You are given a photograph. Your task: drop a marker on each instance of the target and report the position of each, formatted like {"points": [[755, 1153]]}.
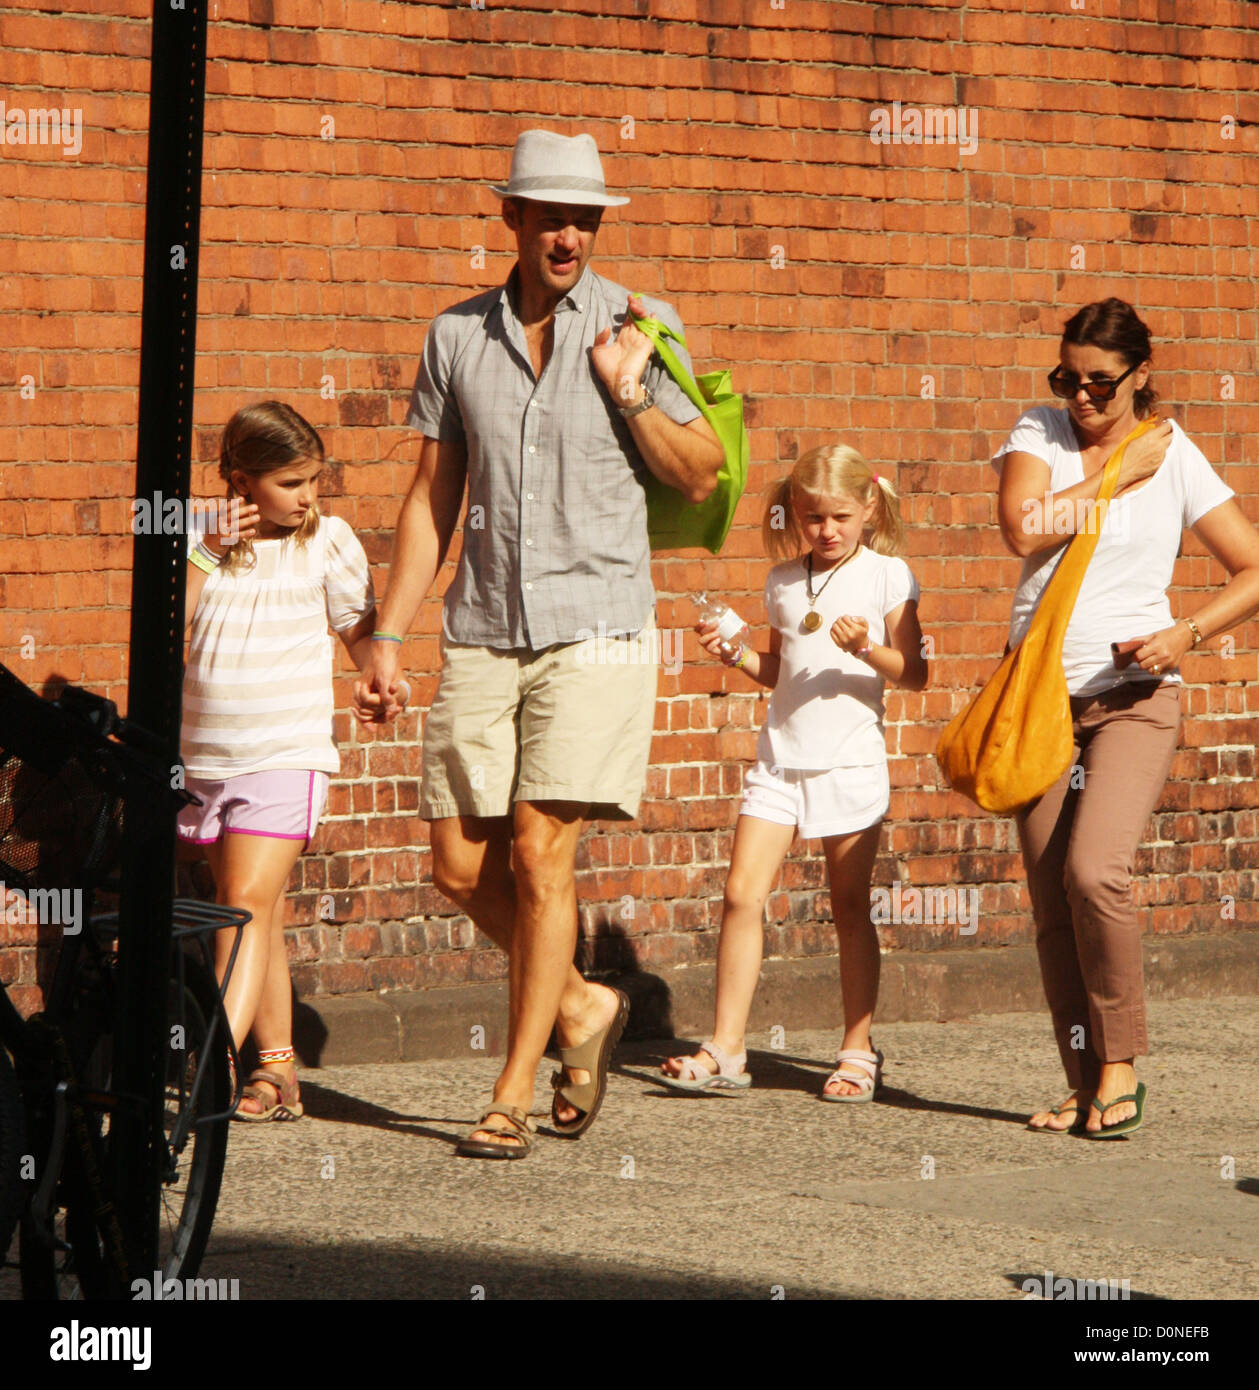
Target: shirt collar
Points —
{"points": [[577, 298]]}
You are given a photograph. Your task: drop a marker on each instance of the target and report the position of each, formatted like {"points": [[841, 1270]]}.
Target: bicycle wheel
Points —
{"points": [[84, 1258], [191, 1194], [77, 1264], [195, 1153], [12, 1147]]}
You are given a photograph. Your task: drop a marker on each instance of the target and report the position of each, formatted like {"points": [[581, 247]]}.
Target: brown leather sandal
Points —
{"points": [[499, 1119], [286, 1105], [591, 1056]]}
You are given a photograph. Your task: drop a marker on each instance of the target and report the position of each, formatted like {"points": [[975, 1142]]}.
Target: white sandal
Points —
{"points": [[869, 1062], [729, 1078]]}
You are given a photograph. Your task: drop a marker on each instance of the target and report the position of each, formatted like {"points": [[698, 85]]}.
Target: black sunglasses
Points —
{"points": [[1067, 384]]}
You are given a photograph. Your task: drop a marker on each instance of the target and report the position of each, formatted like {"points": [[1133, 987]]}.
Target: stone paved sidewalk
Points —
{"points": [[771, 1193]]}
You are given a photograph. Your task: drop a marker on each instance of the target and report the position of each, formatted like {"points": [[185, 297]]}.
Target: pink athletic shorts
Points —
{"points": [[284, 805]]}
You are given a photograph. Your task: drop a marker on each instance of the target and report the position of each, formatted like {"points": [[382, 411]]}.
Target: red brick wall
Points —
{"points": [[1105, 164]]}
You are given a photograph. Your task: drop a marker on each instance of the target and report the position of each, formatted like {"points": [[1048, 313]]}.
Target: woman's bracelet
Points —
{"points": [[385, 637], [863, 652], [1195, 629]]}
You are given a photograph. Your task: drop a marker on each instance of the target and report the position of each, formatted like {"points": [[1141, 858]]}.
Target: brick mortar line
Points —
{"points": [[679, 56]]}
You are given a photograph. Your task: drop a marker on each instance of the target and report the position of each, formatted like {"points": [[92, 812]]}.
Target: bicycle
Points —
{"points": [[69, 772]]}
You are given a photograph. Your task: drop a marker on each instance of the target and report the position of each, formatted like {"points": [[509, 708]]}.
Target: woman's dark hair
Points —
{"points": [[1114, 326]]}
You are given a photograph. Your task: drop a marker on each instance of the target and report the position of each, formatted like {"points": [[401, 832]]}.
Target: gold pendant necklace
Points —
{"points": [[813, 619]]}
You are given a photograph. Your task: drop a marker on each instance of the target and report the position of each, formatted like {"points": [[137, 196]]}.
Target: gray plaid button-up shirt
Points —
{"points": [[555, 540]]}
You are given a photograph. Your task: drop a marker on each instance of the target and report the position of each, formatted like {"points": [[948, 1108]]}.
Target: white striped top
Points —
{"points": [[258, 683]]}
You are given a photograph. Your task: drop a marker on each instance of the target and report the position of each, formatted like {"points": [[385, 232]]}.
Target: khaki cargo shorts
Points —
{"points": [[571, 723]]}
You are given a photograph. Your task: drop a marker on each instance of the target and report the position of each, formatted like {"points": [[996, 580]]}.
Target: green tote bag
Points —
{"points": [[673, 523]]}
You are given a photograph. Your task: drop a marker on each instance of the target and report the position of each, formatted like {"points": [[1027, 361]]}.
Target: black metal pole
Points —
{"points": [[155, 677]]}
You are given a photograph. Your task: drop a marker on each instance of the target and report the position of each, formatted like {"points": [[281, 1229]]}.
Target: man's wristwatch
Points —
{"points": [[629, 411]]}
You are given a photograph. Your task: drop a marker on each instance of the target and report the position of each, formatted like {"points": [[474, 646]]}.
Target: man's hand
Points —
{"points": [[376, 692], [621, 361]]}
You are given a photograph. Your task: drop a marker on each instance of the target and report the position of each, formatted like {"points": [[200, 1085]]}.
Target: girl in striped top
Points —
{"points": [[263, 589]]}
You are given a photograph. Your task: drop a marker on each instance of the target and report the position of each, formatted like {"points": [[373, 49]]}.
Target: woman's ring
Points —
{"points": [[1155, 669]]}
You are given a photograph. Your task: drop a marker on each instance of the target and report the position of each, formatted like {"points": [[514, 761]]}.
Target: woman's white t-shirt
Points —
{"points": [[258, 684], [1124, 594], [827, 708]]}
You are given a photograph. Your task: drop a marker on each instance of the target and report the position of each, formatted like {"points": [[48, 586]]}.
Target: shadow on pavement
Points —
{"points": [[415, 1269], [776, 1071], [1080, 1291], [324, 1103], [906, 1100]]}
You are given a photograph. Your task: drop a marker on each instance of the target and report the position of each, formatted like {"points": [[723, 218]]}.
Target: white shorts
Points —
{"points": [[836, 801]]}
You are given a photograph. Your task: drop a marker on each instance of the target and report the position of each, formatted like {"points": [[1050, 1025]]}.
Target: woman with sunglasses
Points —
{"points": [[1121, 656]]}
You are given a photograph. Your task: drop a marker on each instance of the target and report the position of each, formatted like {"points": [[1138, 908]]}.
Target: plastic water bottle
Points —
{"points": [[730, 626]]}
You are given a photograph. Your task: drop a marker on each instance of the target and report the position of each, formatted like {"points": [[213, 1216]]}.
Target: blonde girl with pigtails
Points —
{"points": [[842, 609]]}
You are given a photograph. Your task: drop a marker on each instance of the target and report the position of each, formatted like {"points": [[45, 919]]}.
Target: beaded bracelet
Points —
{"points": [[741, 661]]}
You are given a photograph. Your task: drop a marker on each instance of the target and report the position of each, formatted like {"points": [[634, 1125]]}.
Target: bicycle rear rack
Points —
{"points": [[196, 922]]}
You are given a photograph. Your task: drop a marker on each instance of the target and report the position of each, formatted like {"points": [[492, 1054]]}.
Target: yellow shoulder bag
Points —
{"points": [[1015, 738]]}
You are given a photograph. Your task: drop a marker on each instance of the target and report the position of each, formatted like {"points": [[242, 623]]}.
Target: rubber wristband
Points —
{"points": [[385, 637], [863, 652], [195, 557], [741, 661]]}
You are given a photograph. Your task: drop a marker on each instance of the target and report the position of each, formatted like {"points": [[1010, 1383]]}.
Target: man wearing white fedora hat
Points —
{"points": [[541, 400]]}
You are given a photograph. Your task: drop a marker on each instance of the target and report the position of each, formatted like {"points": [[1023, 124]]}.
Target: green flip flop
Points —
{"points": [[1124, 1126], [1055, 1110]]}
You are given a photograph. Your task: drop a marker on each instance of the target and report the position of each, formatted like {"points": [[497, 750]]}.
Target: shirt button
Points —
{"points": [[528, 497], [529, 541], [528, 586], [532, 450]]}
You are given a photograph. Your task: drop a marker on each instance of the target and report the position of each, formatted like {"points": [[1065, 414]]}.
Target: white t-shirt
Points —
{"points": [[827, 708], [1124, 594], [258, 684]]}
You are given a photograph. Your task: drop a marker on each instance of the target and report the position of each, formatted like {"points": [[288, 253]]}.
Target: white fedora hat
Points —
{"points": [[550, 168]]}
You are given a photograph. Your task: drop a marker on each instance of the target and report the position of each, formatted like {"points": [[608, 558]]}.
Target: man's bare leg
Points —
{"points": [[472, 865]]}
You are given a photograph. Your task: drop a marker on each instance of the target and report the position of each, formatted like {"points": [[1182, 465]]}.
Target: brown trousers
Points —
{"points": [[1078, 846]]}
